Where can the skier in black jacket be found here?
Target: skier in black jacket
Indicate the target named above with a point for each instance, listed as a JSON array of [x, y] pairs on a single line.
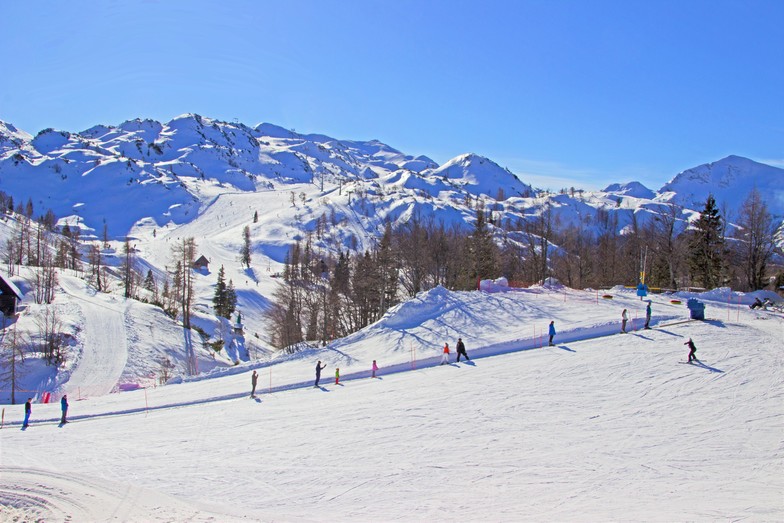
[[319, 368], [461, 350]]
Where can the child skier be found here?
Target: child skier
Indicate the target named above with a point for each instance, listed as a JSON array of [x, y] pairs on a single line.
[[375, 368], [692, 350], [337, 375], [445, 354], [552, 332], [624, 319]]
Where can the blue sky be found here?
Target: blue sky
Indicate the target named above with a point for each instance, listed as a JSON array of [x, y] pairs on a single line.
[[579, 93]]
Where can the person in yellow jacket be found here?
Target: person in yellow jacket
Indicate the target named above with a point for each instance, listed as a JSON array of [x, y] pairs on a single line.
[[337, 375]]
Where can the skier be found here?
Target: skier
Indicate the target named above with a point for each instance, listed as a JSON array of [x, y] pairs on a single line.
[[319, 368], [337, 375], [445, 354], [253, 380], [375, 368], [648, 315], [692, 350], [624, 319], [552, 332], [756, 305], [64, 408], [28, 411], [461, 350]]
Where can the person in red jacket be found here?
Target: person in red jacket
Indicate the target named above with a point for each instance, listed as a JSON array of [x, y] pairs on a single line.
[[445, 355]]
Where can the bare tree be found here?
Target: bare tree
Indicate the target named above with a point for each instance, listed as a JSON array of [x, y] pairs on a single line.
[[49, 332], [13, 346], [183, 255], [757, 240]]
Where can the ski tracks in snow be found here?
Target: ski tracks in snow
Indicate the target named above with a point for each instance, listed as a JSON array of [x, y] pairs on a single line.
[[104, 343], [40, 495]]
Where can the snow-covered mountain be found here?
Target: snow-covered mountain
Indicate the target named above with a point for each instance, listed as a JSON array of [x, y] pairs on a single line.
[[168, 174], [729, 180]]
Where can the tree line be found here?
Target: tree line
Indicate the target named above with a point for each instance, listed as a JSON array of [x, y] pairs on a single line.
[[323, 296]]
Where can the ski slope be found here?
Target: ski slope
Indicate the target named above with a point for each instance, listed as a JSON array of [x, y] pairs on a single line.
[[600, 428], [104, 349]]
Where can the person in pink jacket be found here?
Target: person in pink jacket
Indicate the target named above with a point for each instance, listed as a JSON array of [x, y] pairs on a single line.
[[375, 368], [445, 355]]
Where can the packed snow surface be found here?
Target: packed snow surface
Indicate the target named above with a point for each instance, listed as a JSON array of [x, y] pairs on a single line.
[[602, 426]]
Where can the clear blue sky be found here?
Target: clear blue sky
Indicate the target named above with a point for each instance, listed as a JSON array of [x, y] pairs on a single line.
[[563, 93]]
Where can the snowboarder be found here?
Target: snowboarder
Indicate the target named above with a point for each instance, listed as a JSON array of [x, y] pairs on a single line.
[[337, 375], [28, 411], [624, 319], [64, 408], [692, 350], [756, 305], [552, 332], [445, 354], [375, 368], [648, 315], [461, 350], [319, 368], [254, 379]]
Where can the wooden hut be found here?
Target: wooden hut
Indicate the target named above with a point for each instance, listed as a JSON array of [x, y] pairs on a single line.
[[9, 296], [201, 264]]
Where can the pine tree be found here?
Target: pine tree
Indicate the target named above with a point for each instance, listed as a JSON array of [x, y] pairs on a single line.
[[245, 251], [219, 298], [231, 299], [706, 246]]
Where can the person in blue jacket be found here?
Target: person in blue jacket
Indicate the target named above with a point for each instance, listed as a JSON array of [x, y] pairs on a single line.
[[28, 411], [64, 408], [552, 332]]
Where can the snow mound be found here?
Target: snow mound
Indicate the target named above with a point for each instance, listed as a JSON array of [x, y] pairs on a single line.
[[424, 306], [497, 285]]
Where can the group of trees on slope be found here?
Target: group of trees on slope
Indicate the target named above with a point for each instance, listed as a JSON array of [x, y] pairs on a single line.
[[326, 296]]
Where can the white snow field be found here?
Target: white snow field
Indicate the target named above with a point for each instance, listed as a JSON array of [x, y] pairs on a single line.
[[601, 427]]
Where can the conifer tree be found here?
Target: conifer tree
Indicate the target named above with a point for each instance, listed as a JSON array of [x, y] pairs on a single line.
[[219, 298], [706, 246]]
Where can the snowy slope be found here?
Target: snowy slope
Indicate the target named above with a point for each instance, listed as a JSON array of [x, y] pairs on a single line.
[[600, 429]]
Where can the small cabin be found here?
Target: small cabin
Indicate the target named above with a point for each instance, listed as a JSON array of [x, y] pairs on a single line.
[[9, 296], [201, 264]]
